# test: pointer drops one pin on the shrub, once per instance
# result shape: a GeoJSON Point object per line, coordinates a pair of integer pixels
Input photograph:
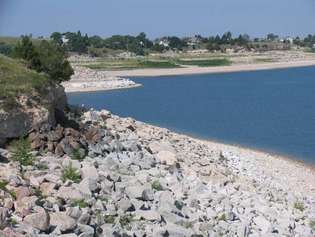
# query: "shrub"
{"type": "Point", "coordinates": [3, 187]}
{"type": "Point", "coordinates": [21, 152]}
{"type": "Point", "coordinates": [70, 173]}
{"type": "Point", "coordinates": [222, 217]}
{"type": "Point", "coordinates": [157, 186]}
{"type": "Point", "coordinates": [79, 203]}
{"type": "Point", "coordinates": [77, 155]}
{"type": "Point", "coordinates": [110, 219]}
{"type": "Point", "coordinates": [299, 205]}
{"type": "Point", "coordinates": [47, 57]}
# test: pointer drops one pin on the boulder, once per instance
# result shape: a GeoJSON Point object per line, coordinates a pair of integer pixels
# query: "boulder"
{"type": "Point", "coordinates": [39, 220]}
{"type": "Point", "coordinates": [32, 114]}
{"type": "Point", "coordinates": [64, 222]}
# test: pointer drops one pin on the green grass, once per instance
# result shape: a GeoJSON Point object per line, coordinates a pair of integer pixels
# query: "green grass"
{"type": "Point", "coordinates": [206, 62]}
{"type": "Point", "coordinates": [265, 60]}
{"type": "Point", "coordinates": [131, 64]}
{"type": "Point", "coordinates": [16, 79]}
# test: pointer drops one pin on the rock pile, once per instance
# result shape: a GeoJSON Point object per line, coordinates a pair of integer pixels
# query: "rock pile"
{"type": "Point", "coordinates": [138, 180]}
{"type": "Point", "coordinates": [85, 79]}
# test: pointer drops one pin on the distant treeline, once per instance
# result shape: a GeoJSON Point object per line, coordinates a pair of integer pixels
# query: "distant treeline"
{"type": "Point", "coordinates": [141, 45]}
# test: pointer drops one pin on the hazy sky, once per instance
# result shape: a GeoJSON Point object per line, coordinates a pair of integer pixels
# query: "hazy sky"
{"type": "Point", "coordinates": [157, 17]}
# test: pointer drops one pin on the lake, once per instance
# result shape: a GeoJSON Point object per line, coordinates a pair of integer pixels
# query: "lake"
{"type": "Point", "coordinates": [272, 110]}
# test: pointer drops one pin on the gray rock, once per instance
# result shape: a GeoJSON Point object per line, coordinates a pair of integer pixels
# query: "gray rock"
{"type": "Point", "coordinates": [87, 186]}
{"type": "Point", "coordinates": [149, 215]}
{"type": "Point", "coordinates": [89, 171]}
{"type": "Point", "coordinates": [125, 205]}
{"type": "Point", "coordinates": [135, 191]}
{"type": "Point", "coordinates": [39, 220]}
{"type": "Point", "coordinates": [64, 222]}
{"type": "Point", "coordinates": [262, 224]}
{"type": "Point", "coordinates": [73, 212]}
{"type": "Point", "coordinates": [148, 195]}
{"type": "Point", "coordinates": [70, 193]}
{"type": "Point", "coordinates": [4, 214]}
{"type": "Point", "coordinates": [86, 231]}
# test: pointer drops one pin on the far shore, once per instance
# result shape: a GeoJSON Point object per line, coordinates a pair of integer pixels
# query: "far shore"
{"type": "Point", "coordinates": [208, 70]}
{"type": "Point", "coordinates": [71, 89]}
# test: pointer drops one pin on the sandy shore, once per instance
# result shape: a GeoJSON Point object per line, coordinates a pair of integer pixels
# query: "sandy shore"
{"type": "Point", "coordinates": [206, 70]}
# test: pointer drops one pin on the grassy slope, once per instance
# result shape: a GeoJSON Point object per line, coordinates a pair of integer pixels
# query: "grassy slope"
{"type": "Point", "coordinates": [131, 64]}
{"type": "Point", "coordinates": [16, 79]}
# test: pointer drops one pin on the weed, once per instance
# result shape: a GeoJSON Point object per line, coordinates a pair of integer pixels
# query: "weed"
{"type": "Point", "coordinates": [79, 203]}
{"type": "Point", "coordinates": [76, 155]}
{"type": "Point", "coordinates": [222, 217]}
{"type": "Point", "coordinates": [179, 204]}
{"type": "Point", "coordinates": [157, 186]}
{"type": "Point", "coordinates": [70, 173]}
{"type": "Point", "coordinates": [21, 152]}
{"type": "Point", "coordinates": [110, 219]}
{"type": "Point", "coordinates": [299, 205]}
{"type": "Point", "coordinates": [3, 187]}
{"type": "Point", "coordinates": [125, 221]}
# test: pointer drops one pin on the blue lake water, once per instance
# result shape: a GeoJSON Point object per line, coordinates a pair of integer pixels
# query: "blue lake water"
{"type": "Point", "coordinates": [270, 110]}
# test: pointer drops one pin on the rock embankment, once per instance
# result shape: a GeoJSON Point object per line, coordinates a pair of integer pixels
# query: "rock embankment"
{"type": "Point", "coordinates": [85, 79]}
{"type": "Point", "coordinates": [131, 179]}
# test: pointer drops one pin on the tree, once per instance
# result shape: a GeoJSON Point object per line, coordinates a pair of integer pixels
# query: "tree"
{"type": "Point", "coordinates": [96, 41]}
{"type": "Point", "coordinates": [176, 43]}
{"type": "Point", "coordinates": [272, 37]}
{"type": "Point", "coordinates": [76, 42]}
{"type": "Point", "coordinates": [226, 38]}
{"type": "Point", "coordinates": [48, 57]}
{"type": "Point", "coordinates": [6, 49]}
{"type": "Point", "coordinates": [27, 51]}
{"type": "Point", "coordinates": [53, 61]}
{"type": "Point", "coordinates": [57, 37]}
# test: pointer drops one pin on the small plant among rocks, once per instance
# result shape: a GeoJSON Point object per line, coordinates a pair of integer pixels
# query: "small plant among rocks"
{"type": "Point", "coordinates": [109, 219]}
{"type": "Point", "coordinates": [299, 205]}
{"type": "Point", "coordinates": [3, 187]}
{"type": "Point", "coordinates": [222, 217]}
{"type": "Point", "coordinates": [79, 203]}
{"type": "Point", "coordinates": [70, 173]}
{"type": "Point", "coordinates": [21, 152]}
{"type": "Point", "coordinates": [77, 155]}
{"type": "Point", "coordinates": [179, 205]}
{"type": "Point", "coordinates": [312, 224]}
{"type": "Point", "coordinates": [125, 221]}
{"type": "Point", "coordinates": [157, 186]}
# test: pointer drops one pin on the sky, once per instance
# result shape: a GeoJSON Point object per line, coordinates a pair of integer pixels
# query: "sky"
{"type": "Point", "coordinates": [157, 17]}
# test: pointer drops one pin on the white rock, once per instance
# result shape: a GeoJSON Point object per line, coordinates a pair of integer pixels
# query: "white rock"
{"type": "Point", "coordinates": [166, 157]}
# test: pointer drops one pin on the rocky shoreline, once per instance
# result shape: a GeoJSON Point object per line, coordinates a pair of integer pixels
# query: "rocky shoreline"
{"type": "Point", "coordinates": [133, 179]}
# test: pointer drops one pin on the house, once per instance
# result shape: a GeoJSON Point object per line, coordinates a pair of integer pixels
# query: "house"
{"type": "Point", "coordinates": [164, 42]}
{"type": "Point", "coordinates": [64, 39]}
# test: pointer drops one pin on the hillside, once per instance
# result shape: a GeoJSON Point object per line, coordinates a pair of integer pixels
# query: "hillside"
{"type": "Point", "coordinates": [16, 79]}
{"type": "Point", "coordinates": [28, 99]}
